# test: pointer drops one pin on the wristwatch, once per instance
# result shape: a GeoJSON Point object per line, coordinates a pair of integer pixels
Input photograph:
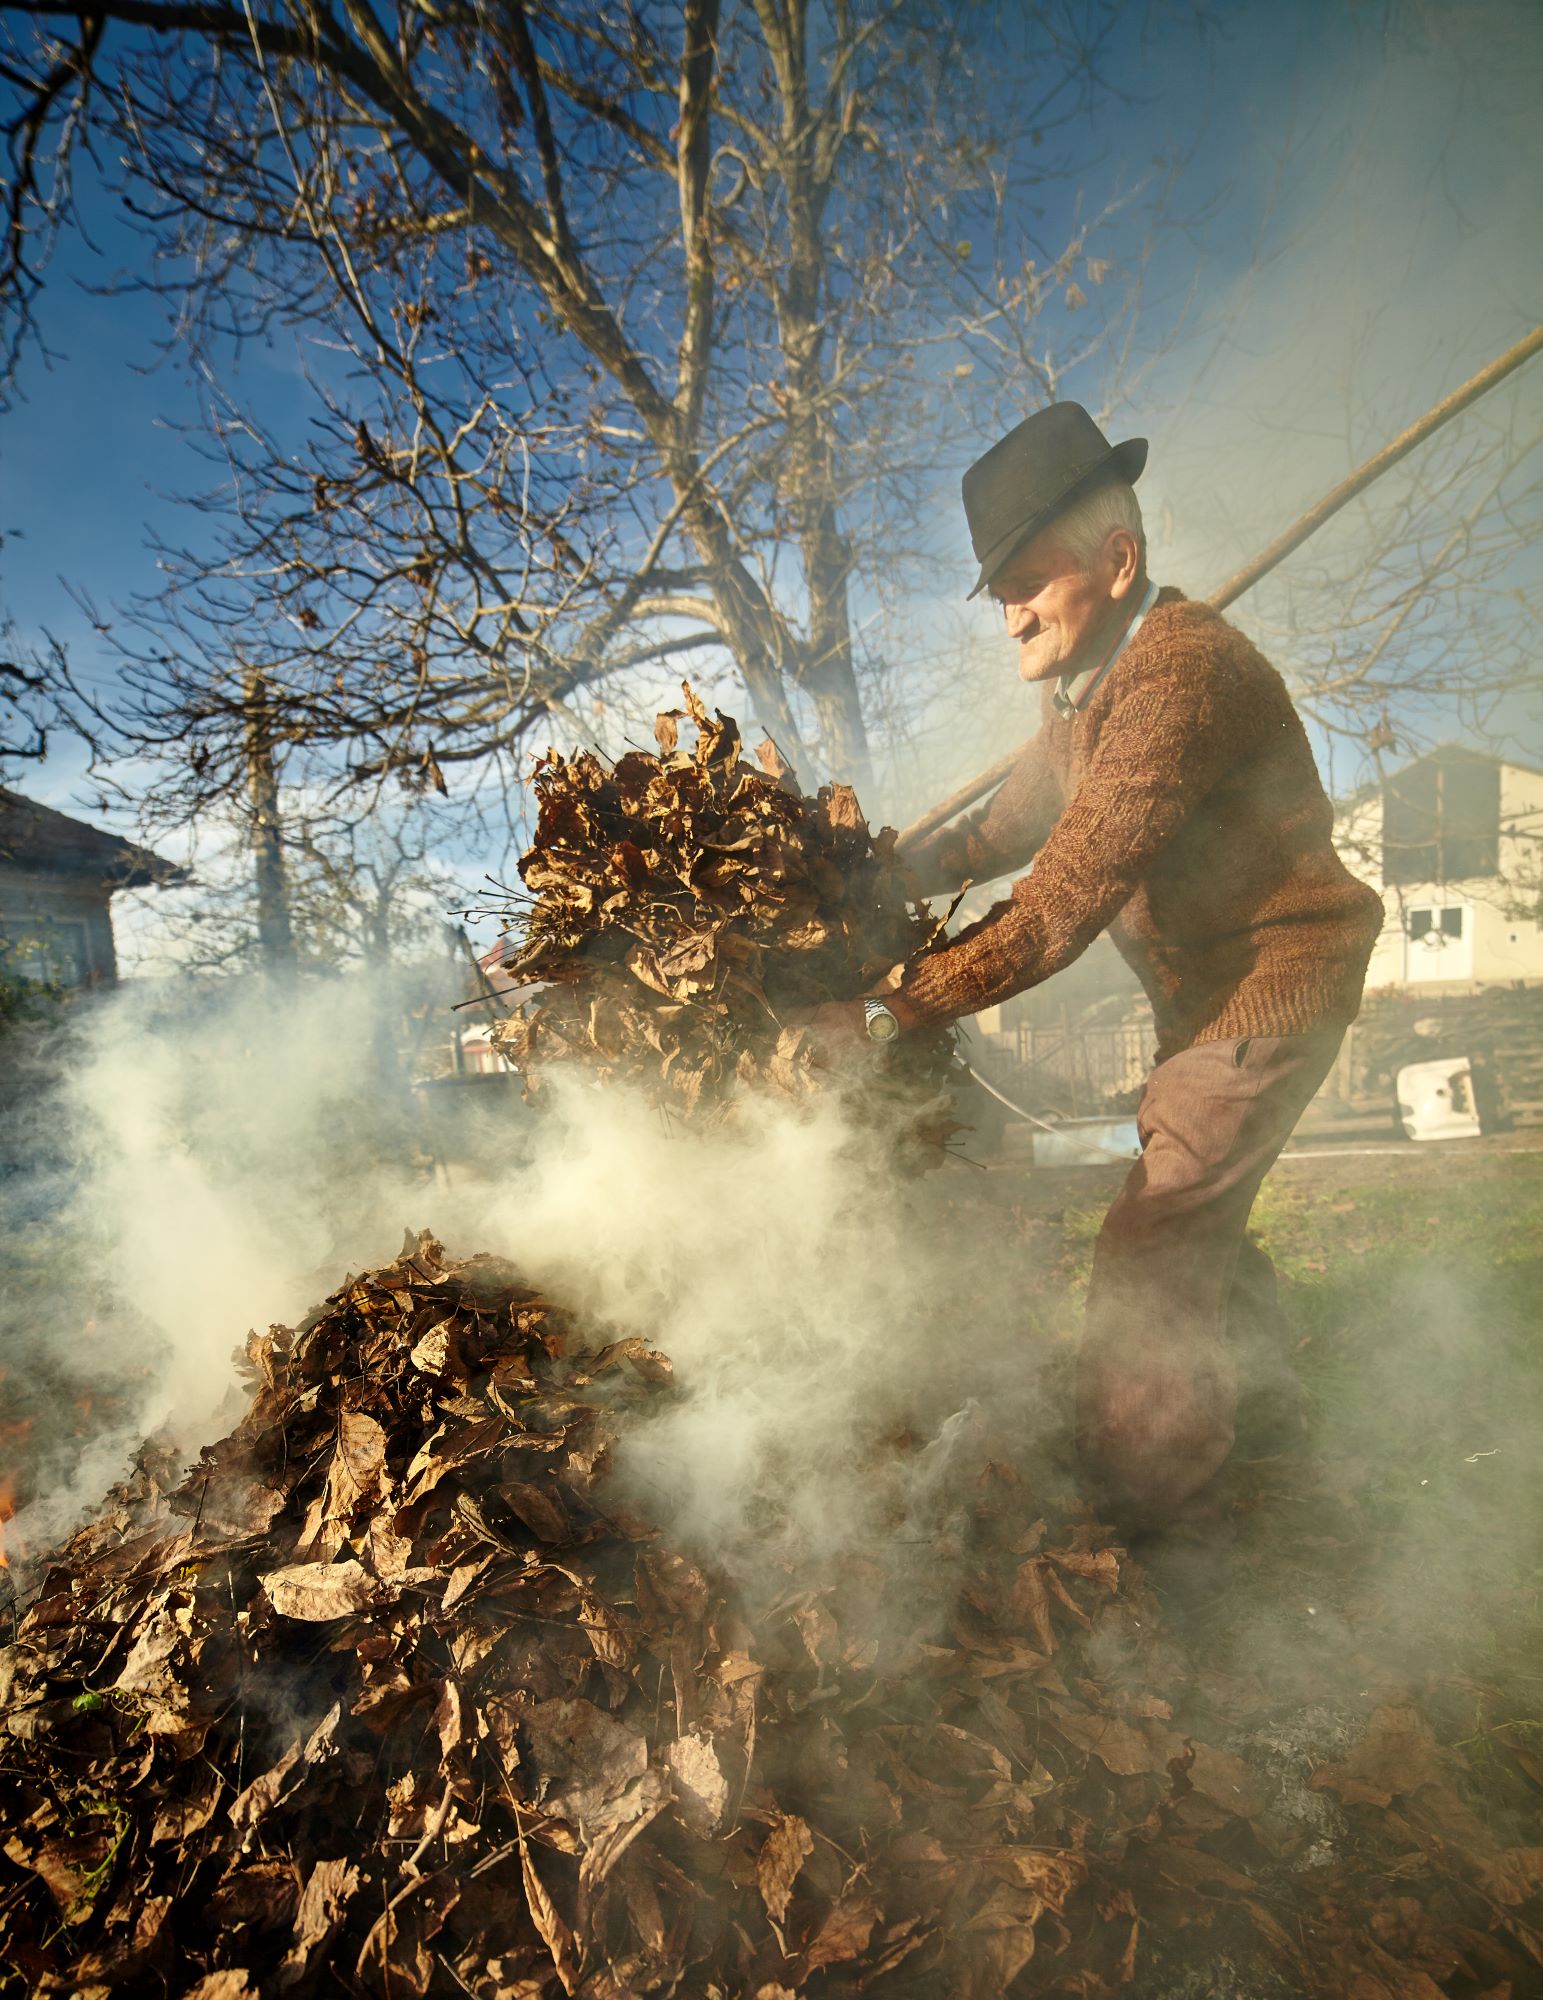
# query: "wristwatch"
{"type": "Point", "coordinates": [882, 1024]}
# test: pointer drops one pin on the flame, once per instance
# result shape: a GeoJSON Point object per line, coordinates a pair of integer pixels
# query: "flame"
{"type": "Point", "coordinates": [12, 1437]}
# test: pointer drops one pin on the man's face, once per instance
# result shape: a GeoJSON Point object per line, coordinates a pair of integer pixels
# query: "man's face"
{"type": "Point", "coordinates": [1055, 610]}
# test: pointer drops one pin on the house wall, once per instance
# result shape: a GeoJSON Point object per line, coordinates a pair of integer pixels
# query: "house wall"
{"type": "Point", "coordinates": [1510, 933]}
{"type": "Point", "coordinates": [1496, 941]}
{"type": "Point", "coordinates": [70, 919]}
{"type": "Point", "coordinates": [1358, 839]}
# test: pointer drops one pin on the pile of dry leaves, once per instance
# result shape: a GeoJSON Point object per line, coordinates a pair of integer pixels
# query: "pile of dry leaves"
{"type": "Point", "coordinates": [390, 1697]}
{"type": "Point", "coordinates": [686, 906]}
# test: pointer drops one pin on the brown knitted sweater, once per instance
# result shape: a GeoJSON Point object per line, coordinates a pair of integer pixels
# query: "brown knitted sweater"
{"type": "Point", "coordinates": [1181, 811]}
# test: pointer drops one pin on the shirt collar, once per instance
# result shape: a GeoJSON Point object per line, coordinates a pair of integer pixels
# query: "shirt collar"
{"type": "Point", "coordinates": [1074, 691]}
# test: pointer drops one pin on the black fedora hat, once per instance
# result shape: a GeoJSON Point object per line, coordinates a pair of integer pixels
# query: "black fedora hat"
{"type": "Point", "coordinates": [1035, 473]}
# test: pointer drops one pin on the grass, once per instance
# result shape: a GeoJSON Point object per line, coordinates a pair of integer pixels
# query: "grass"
{"type": "Point", "coordinates": [1404, 1549]}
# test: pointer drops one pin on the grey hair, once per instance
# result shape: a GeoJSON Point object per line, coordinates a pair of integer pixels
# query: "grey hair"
{"type": "Point", "coordinates": [1089, 521]}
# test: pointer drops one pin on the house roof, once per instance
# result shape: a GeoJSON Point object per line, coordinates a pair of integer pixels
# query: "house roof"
{"type": "Point", "coordinates": [36, 837]}
{"type": "Point", "coordinates": [1444, 753]}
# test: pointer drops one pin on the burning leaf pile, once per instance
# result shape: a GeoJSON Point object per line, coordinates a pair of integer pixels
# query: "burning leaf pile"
{"type": "Point", "coordinates": [389, 1696]}
{"type": "Point", "coordinates": [687, 906]}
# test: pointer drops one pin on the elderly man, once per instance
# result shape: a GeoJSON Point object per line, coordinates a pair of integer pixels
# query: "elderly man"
{"type": "Point", "coordinates": [1171, 798]}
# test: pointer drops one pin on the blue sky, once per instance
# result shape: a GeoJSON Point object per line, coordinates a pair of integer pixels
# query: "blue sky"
{"type": "Point", "coordinates": [1390, 185]}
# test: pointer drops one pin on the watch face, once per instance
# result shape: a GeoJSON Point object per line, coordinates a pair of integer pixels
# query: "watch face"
{"type": "Point", "coordinates": [882, 1025]}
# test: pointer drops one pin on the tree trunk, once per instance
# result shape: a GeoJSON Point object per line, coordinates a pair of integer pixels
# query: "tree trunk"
{"type": "Point", "coordinates": [825, 672]}
{"type": "Point", "coordinates": [748, 623]}
{"type": "Point", "coordinates": [829, 676]}
{"type": "Point", "coordinates": [275, 933]}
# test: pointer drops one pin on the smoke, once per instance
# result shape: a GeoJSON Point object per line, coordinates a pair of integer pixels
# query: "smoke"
{"type": "Point", "coordinates": [1431, 1402]}
{"type": "Point", "coordinates": [224, 1157]}
{"type": "Point", "coordinates": [202, 1157]}
{"type": "Point", "coordinates": [832, 1354]}
{"type": "Point", "coordinates": [851, 1348]}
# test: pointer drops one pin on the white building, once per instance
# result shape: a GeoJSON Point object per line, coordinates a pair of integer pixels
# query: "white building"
{"type": "Point", "coordinates": [1454, 844]}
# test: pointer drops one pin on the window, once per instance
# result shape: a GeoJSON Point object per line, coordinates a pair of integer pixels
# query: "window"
{"type": "Point", "coordinates": [1436, 927]}
{"type": "Point", "coordinates": [1441, 821]}
{"type": "Point", "coordinates": [46, 951]}
{"type": "Point", "coordinates": [22, 957]}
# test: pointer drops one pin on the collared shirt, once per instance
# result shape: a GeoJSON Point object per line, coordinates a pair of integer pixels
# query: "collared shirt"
{"type": "Point", "coordinates": [1074, 691]}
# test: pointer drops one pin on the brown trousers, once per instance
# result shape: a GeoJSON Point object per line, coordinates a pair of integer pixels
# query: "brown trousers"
{"type": "Point", "coordinates": [1181, 1304]}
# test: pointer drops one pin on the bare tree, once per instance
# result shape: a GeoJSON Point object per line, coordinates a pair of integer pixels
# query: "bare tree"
{"type": "Point", "coordinates": [21, 735]}
{"type": "Point", "coordinates": [284, 885]}
{"type": "Point", "coordinates": [26, 685]}
{"type": "Point", "coordinates": [636, 333]}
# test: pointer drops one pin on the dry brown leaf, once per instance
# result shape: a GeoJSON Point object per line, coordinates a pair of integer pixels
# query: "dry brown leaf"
{"type": "Point", "coordinates": [541, 1511]}
{"type": "Point", "coordinates": [775, 765]}
{"type": "Point", "coordinates": [1513, 1876]}
{"type": "Point", "coordinates": [1002, 1940]}
{"type": "Point", "coordinates": [1395, 1983]}
{"type": "Point", "coordinates": [845, 1932]}
{"type": "Point", "coordinates": [230, 1985]}
{"type": "Point", "coordinates": [783, 1853]}
{"type": "Point", "coordinates": [1397, 1755]}
{"type": "Point", "coordinates": [554, 1931]}
{"type": "Point", "coordinates": [1031, 1603]}
{"type": "Point", "coordinates": [432, 1352]}
{"type": "Point", "coordinates": [1120, 1746]}
{"type": "Point", "coordinates": [1225, 1780]}
{"type": "Point", "coordinates": [449, 1719]}
{"type": "Point", "coordinates": [316, 1591]}
{"type": "Point", "coordinates": [250, 1807]}
{"type": "Point", "coordinates": [328, 1891]}
{"type": "Point", "coordinates": [700, 1785]}
{"type": "Point", "coordinates": [149, 1670]}
{"type": "Point", "coordinates": [237, 1503]}
{"type": "Point", "coordinates": [582, 1759]}
{"type": "Point", "coordinates": [629, 1817]}
{"type": "Point", "coordinates": [189, 1808]}
{"type": "Point", "coordinates": [1052, 1877]}
{"type": "Point", "coordinates": [1100, 1566]}
{"type": "Point", "coordinates": [115, 1963]}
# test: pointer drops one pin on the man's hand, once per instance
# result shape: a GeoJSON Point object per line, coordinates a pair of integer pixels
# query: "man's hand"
{"type": "Point", "coordinates": [838, 1034]}
{"type": "Point", "coordinates": [838, 1031]}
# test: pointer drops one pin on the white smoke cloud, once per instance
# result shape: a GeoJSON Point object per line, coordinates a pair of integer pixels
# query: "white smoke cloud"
{"type": "Point", "coordinates": [236, 1153]}
{"type": "Point", "coordinates": [810, 1299]}
{"type": "Point", "coordinates": [208, 1156]}
{"type": "Point", "coordinates": [850, 1348]}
